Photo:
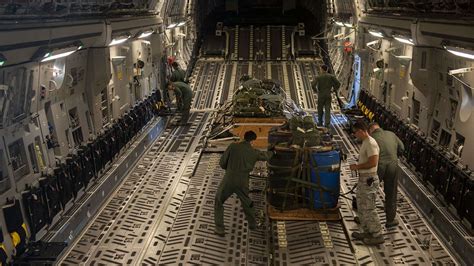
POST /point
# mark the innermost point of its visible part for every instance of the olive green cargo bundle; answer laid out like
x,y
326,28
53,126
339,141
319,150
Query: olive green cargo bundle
x,y
256,98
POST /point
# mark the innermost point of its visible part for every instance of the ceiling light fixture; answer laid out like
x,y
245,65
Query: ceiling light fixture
x,y
171,26
372,43
3,60
53,54
469,54
145,34
181,24
119,40
404,40
57,56
461,71
339,23
376,33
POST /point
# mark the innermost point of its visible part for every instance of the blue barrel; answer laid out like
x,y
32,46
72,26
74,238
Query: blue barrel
x,y
328,165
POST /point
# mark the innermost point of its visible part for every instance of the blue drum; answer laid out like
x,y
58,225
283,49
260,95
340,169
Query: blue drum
x,y
327,178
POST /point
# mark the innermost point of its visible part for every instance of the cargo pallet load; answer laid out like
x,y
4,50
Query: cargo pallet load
x,y
303,180
257,105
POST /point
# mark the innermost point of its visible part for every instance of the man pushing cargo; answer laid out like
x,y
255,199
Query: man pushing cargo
x,y
238,161
323,86
367,185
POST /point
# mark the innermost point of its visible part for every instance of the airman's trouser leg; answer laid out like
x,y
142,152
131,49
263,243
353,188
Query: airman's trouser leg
x,y
320,112
366,198
247,205
223,193
327,112
324,106
388,173
185,116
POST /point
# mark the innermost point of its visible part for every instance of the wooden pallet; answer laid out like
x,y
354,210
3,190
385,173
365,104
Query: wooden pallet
x,y
260,126
304,214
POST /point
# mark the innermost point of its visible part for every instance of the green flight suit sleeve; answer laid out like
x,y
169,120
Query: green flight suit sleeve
x,y
179,98
264,155
225,158
400,146
335,84
314,85
178,93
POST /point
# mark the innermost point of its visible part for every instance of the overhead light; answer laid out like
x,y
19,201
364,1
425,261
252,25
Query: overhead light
x,y
404,40
403,57
338,36
461,71
377,69
171,26
61,55
376,33
181,24
49,55
339,23
3,60
372,43
469,54
348,25
145,34
119,40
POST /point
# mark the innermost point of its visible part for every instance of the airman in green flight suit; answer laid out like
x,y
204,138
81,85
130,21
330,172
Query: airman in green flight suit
x,y
178,73
238,160
184,96
390,146
323,85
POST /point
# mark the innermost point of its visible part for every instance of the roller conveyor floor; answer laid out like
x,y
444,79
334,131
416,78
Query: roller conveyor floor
x,y
162,213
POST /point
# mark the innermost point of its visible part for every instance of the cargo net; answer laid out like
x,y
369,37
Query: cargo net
x,y
304,171
258,98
